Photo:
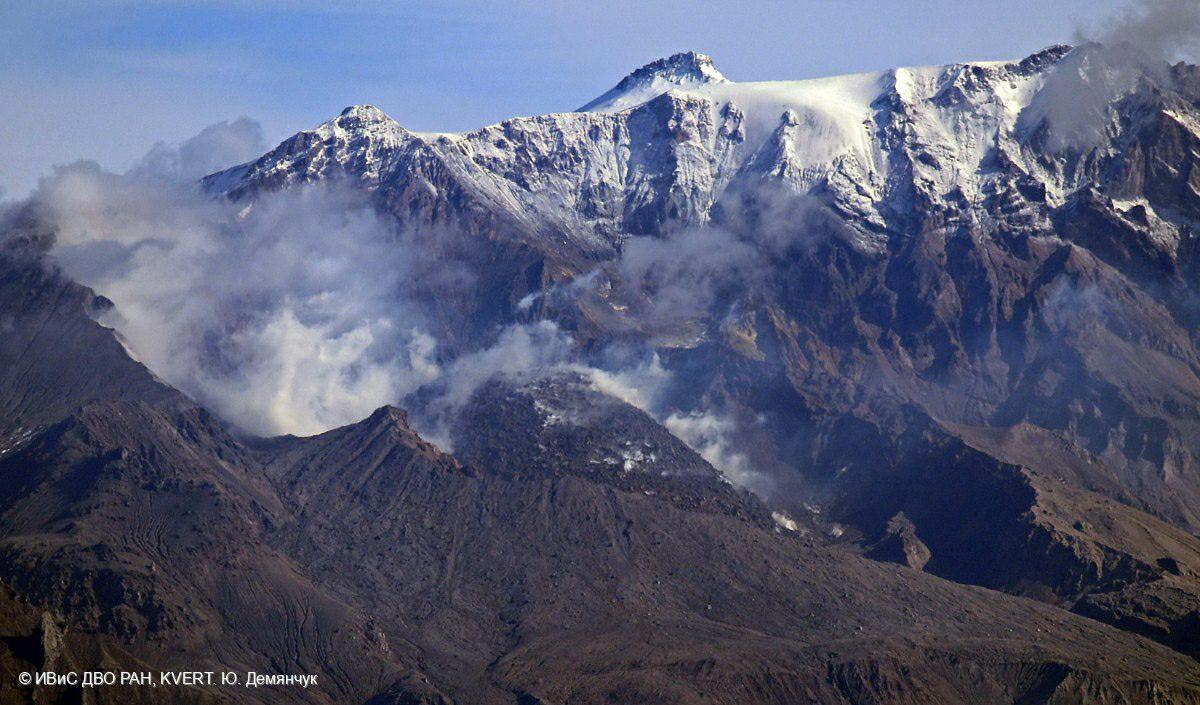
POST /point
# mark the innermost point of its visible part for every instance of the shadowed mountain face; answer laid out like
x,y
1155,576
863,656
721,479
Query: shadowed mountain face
x,y
946,326
399,574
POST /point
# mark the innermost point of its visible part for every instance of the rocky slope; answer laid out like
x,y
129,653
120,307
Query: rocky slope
x,y
951,318
135,535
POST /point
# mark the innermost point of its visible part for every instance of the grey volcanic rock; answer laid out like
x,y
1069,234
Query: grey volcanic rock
x,y
521,427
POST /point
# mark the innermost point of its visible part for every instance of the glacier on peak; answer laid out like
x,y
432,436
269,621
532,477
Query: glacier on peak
x,y
361,117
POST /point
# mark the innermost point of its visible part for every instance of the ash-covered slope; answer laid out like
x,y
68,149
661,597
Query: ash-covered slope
x,y
53,358
138,536
142,536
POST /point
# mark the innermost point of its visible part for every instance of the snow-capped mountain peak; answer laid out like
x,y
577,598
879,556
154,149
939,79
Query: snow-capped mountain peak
x,y
358,140
672,138
684,69
360,119
365,113
680,67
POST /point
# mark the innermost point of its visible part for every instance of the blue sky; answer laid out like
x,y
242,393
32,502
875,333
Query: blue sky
x,y
105,79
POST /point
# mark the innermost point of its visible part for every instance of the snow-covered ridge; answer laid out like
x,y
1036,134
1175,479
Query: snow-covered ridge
x,y
673,136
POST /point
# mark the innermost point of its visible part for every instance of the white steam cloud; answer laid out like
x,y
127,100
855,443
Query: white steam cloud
x,y
291,315
1076,104
696,274
713,436
1166,29
216,147
306,309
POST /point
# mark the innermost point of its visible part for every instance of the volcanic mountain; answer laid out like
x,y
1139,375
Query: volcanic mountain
x,y
947,313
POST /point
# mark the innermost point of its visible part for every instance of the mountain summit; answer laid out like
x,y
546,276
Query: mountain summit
x,y
673,136
687,68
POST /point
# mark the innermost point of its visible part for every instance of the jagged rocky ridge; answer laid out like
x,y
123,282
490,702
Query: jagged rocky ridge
x,y
968,341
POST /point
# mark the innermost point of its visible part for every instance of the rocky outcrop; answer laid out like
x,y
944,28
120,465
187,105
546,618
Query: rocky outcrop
x,y
900,544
